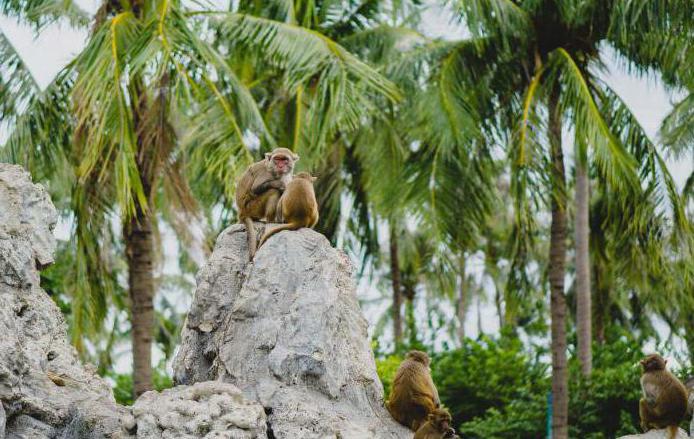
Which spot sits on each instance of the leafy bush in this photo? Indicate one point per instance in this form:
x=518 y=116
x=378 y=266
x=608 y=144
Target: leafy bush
x=386 y=369
x=485 y=374
x=495 y=389
x=123 y=383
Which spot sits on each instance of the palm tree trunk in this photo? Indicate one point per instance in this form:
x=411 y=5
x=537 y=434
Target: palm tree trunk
x=410 y=321
x=583 y=306
x=601 y=308
x=557 y=268
x=139 y=250
x=461 y=303
x=397 y=288
x=497 y=303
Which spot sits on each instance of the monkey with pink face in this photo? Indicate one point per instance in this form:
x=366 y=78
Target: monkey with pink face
x=259 y=189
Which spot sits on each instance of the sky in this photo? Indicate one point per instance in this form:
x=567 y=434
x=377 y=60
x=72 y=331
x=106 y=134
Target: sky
x=650 y=102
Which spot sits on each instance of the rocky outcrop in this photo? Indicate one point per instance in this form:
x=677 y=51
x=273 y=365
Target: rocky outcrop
x=273 y=349
x=210 y=409
x=288 y=331
x=45 y=391
x=657 y=434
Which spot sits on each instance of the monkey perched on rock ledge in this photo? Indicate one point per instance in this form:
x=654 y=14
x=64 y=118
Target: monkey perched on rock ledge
x=259 y=190
x=664 y=402
x=413 y=396
x=298 y=205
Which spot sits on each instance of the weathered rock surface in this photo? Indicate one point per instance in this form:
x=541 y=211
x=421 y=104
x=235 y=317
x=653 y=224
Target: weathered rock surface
x=657 y=434
x=34 y=348
x=288 y=331
x=210 y=409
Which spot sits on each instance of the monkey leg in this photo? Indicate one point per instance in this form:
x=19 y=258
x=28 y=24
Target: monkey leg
x=273 y=211
x=647 y=416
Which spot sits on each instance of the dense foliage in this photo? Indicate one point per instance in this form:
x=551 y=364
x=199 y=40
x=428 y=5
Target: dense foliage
x=497 y=388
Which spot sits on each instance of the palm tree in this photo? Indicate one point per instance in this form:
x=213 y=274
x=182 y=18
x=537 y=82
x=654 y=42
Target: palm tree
x=527 y=75
x=148 y=103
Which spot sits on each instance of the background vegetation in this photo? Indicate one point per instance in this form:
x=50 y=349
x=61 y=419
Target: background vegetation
x=496 y=172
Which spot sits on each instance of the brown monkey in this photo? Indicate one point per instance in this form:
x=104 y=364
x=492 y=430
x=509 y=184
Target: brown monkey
x=413 y=395
x=298 y=205
x=437 y=426
x=664 y=401
x=259 y=190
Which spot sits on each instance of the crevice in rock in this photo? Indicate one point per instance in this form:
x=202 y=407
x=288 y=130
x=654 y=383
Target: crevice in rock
x=269 y=432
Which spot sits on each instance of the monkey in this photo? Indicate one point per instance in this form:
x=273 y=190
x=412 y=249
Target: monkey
x=437 y=426
x=259 y=189
x=298 y=205
x=413 y=395
x=664 y=401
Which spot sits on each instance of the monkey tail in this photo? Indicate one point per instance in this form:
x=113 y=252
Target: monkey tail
x=289 y=226
x=252 y=238
x=672 y=431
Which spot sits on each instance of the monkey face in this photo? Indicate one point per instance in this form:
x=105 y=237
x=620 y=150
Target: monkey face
x=281 y=161
x=441 y=418
x=653 y=362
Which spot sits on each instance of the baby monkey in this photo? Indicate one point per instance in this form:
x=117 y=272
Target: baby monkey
x=437 y=426
x=297 y=205
x=664 y=402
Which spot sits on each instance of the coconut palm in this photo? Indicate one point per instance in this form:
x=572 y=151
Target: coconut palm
x=151 y=101
x=529 y=76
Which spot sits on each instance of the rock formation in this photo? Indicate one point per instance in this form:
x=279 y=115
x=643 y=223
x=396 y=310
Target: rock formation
x=44 y=390
x=288 y=331
x=273 y=349
x=211 y=409
x=656 y=434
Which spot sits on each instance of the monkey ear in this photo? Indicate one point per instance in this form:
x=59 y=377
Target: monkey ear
x=295 y=157
x=268 y=155
x=314 y=178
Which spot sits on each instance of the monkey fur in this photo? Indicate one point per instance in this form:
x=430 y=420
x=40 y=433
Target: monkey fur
x=664 y=402
x=437 y=426
x=298 y=205
x=259 y=189
x=413 y=395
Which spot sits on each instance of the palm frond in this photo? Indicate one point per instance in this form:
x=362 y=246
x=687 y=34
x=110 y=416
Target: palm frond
x=337 y=83
x=653 y=171
x=611 y=157
x=677 y=130
x=504 y=19
x=40 y=13
x=17 y=84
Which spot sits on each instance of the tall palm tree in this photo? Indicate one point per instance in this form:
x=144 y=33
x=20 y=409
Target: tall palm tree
x=528 y=76
x=149 y=102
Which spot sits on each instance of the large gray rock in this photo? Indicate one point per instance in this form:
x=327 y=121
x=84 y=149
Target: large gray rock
x=45 y=391
x=211 y=409
x=657 y=434
x=287 y=330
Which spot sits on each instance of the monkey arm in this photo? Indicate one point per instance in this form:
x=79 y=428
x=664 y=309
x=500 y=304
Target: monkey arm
x=424 y=394
x=261 y=186
x=650 y=392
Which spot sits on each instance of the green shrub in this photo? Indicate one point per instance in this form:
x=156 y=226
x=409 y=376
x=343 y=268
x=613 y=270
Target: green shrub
x=386 y=369
x=495 y=389
x=123 y=383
